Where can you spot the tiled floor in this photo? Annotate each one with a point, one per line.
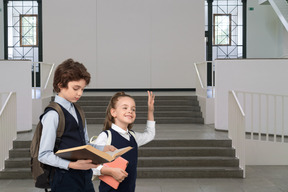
(258, 178)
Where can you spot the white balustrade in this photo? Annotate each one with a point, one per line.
(202, 89)
(8, 125)
(236, 131)
(256, 116)
(46, 81)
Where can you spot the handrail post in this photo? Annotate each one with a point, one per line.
(8, 126)
(236, 128)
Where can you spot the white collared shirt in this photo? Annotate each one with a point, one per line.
(141, 138)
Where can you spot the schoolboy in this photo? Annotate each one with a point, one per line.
(70, 79)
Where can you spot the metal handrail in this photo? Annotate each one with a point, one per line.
(44, 85)
(205, 87)
(198, 75)
(50, 73)
(5, 103)
(238, 103)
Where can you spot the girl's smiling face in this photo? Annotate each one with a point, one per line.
(124, 112)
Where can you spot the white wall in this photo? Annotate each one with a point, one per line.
(263, 76)
(127, 43)
(284, 44)
(266, 153)
(207, 109)
(9, 72)
(265, 32)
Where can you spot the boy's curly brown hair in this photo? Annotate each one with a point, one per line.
(69, 70)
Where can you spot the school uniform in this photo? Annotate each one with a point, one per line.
(74, 135)
(121, 138)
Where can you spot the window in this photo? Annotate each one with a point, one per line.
(28, 30)
(222, 29)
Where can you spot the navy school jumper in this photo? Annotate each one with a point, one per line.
(128, 185)
(72, 180)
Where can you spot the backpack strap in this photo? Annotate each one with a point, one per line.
(81, 112)
(133, 134)
(109, 137)
(61, 124)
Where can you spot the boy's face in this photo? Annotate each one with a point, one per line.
(124, 112)
(73, 91)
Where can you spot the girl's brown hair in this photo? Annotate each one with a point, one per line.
(109, 119)
(69, 70)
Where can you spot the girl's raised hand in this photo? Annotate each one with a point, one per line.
(151, 98)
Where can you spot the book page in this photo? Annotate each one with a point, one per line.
(118, 152)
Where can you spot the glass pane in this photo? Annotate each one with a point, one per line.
(28, 30)
(222, 29)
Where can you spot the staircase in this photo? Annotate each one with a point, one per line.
(188, 159)
(168, 109)
(18, 164)
(159, 158)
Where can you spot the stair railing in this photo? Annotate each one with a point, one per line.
(256, 116)
(202, 89)
(46, 82)
(8, 127)
(281, 9)
(267, 120)
(236, 128)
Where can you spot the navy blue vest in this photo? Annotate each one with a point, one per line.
(128, 185)
(73, 135)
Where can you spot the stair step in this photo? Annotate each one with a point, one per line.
(143, 103)
(16, 173)
(185, 151)
(137, 98)
(188, 162)
(190, 143)
(189, 172)
(143, 114)
(159, 120)
(144, 109)
(21, 144)
(17, 163)
(19, 152)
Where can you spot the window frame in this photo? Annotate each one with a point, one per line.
(216, 25)
(23, 36)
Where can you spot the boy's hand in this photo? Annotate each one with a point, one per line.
(109, 148)
(151, 98)
(82, 165)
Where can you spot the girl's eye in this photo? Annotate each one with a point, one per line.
(133, 109)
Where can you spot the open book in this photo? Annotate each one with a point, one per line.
(119, 162)
(90, 152)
